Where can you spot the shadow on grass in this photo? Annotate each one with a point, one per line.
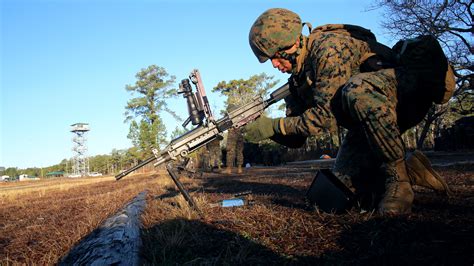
(191, 242)
(233, 186)
(423, 238)
(170, 193)
(439, 232)
(398, 241)
(282, 195)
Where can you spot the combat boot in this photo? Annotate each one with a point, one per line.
(239, 169)
(398, 196)
(422, 174)
(228, 170)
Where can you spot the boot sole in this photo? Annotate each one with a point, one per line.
(426, 162)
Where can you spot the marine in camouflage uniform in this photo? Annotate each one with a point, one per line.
(341, 75)
(235, 138)
(215, 153)
(203, 158)
(235, 150)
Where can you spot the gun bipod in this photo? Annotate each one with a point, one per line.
(171, 170)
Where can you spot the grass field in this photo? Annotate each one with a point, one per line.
(40, 221)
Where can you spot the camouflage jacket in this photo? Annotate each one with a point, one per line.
(330, 57)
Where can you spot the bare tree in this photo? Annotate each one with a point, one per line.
(451, 22)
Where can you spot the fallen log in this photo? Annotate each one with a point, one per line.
(116, 241)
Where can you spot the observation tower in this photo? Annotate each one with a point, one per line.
(80, 165)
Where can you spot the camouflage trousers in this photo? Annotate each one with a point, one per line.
(235, 148)
(376, 108)
(214, 153)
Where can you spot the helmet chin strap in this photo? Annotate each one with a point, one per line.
(294, 56)
(301, 49)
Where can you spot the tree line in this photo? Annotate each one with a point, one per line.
(105, 164)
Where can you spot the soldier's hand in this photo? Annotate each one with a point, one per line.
(262, 128)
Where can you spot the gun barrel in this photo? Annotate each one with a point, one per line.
(126, 172)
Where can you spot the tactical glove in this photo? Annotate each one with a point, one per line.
(263, 128)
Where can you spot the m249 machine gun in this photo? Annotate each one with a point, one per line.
(207, 127)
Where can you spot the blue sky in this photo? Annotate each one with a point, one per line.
(68, 61)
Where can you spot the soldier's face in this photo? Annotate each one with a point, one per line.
(282, 64)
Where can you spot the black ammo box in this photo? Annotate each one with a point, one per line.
(328, 193)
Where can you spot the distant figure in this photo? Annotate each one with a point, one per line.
(215, 153)
(203, 158)
(325, 156)
(235, 150)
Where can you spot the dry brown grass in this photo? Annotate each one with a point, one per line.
(279, 228)
(13, 191)
(41, 220)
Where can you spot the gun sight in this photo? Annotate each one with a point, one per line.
(196, 114)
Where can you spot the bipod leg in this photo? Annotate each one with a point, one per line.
(181, 188)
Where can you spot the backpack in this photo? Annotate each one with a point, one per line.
(382, 52)
(424, 58)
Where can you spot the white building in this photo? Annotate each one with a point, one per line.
(24, 177)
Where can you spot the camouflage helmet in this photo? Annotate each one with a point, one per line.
(273, 31)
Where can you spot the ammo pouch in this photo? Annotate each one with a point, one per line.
(423, 58)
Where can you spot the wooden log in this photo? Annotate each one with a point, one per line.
(116, 241)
